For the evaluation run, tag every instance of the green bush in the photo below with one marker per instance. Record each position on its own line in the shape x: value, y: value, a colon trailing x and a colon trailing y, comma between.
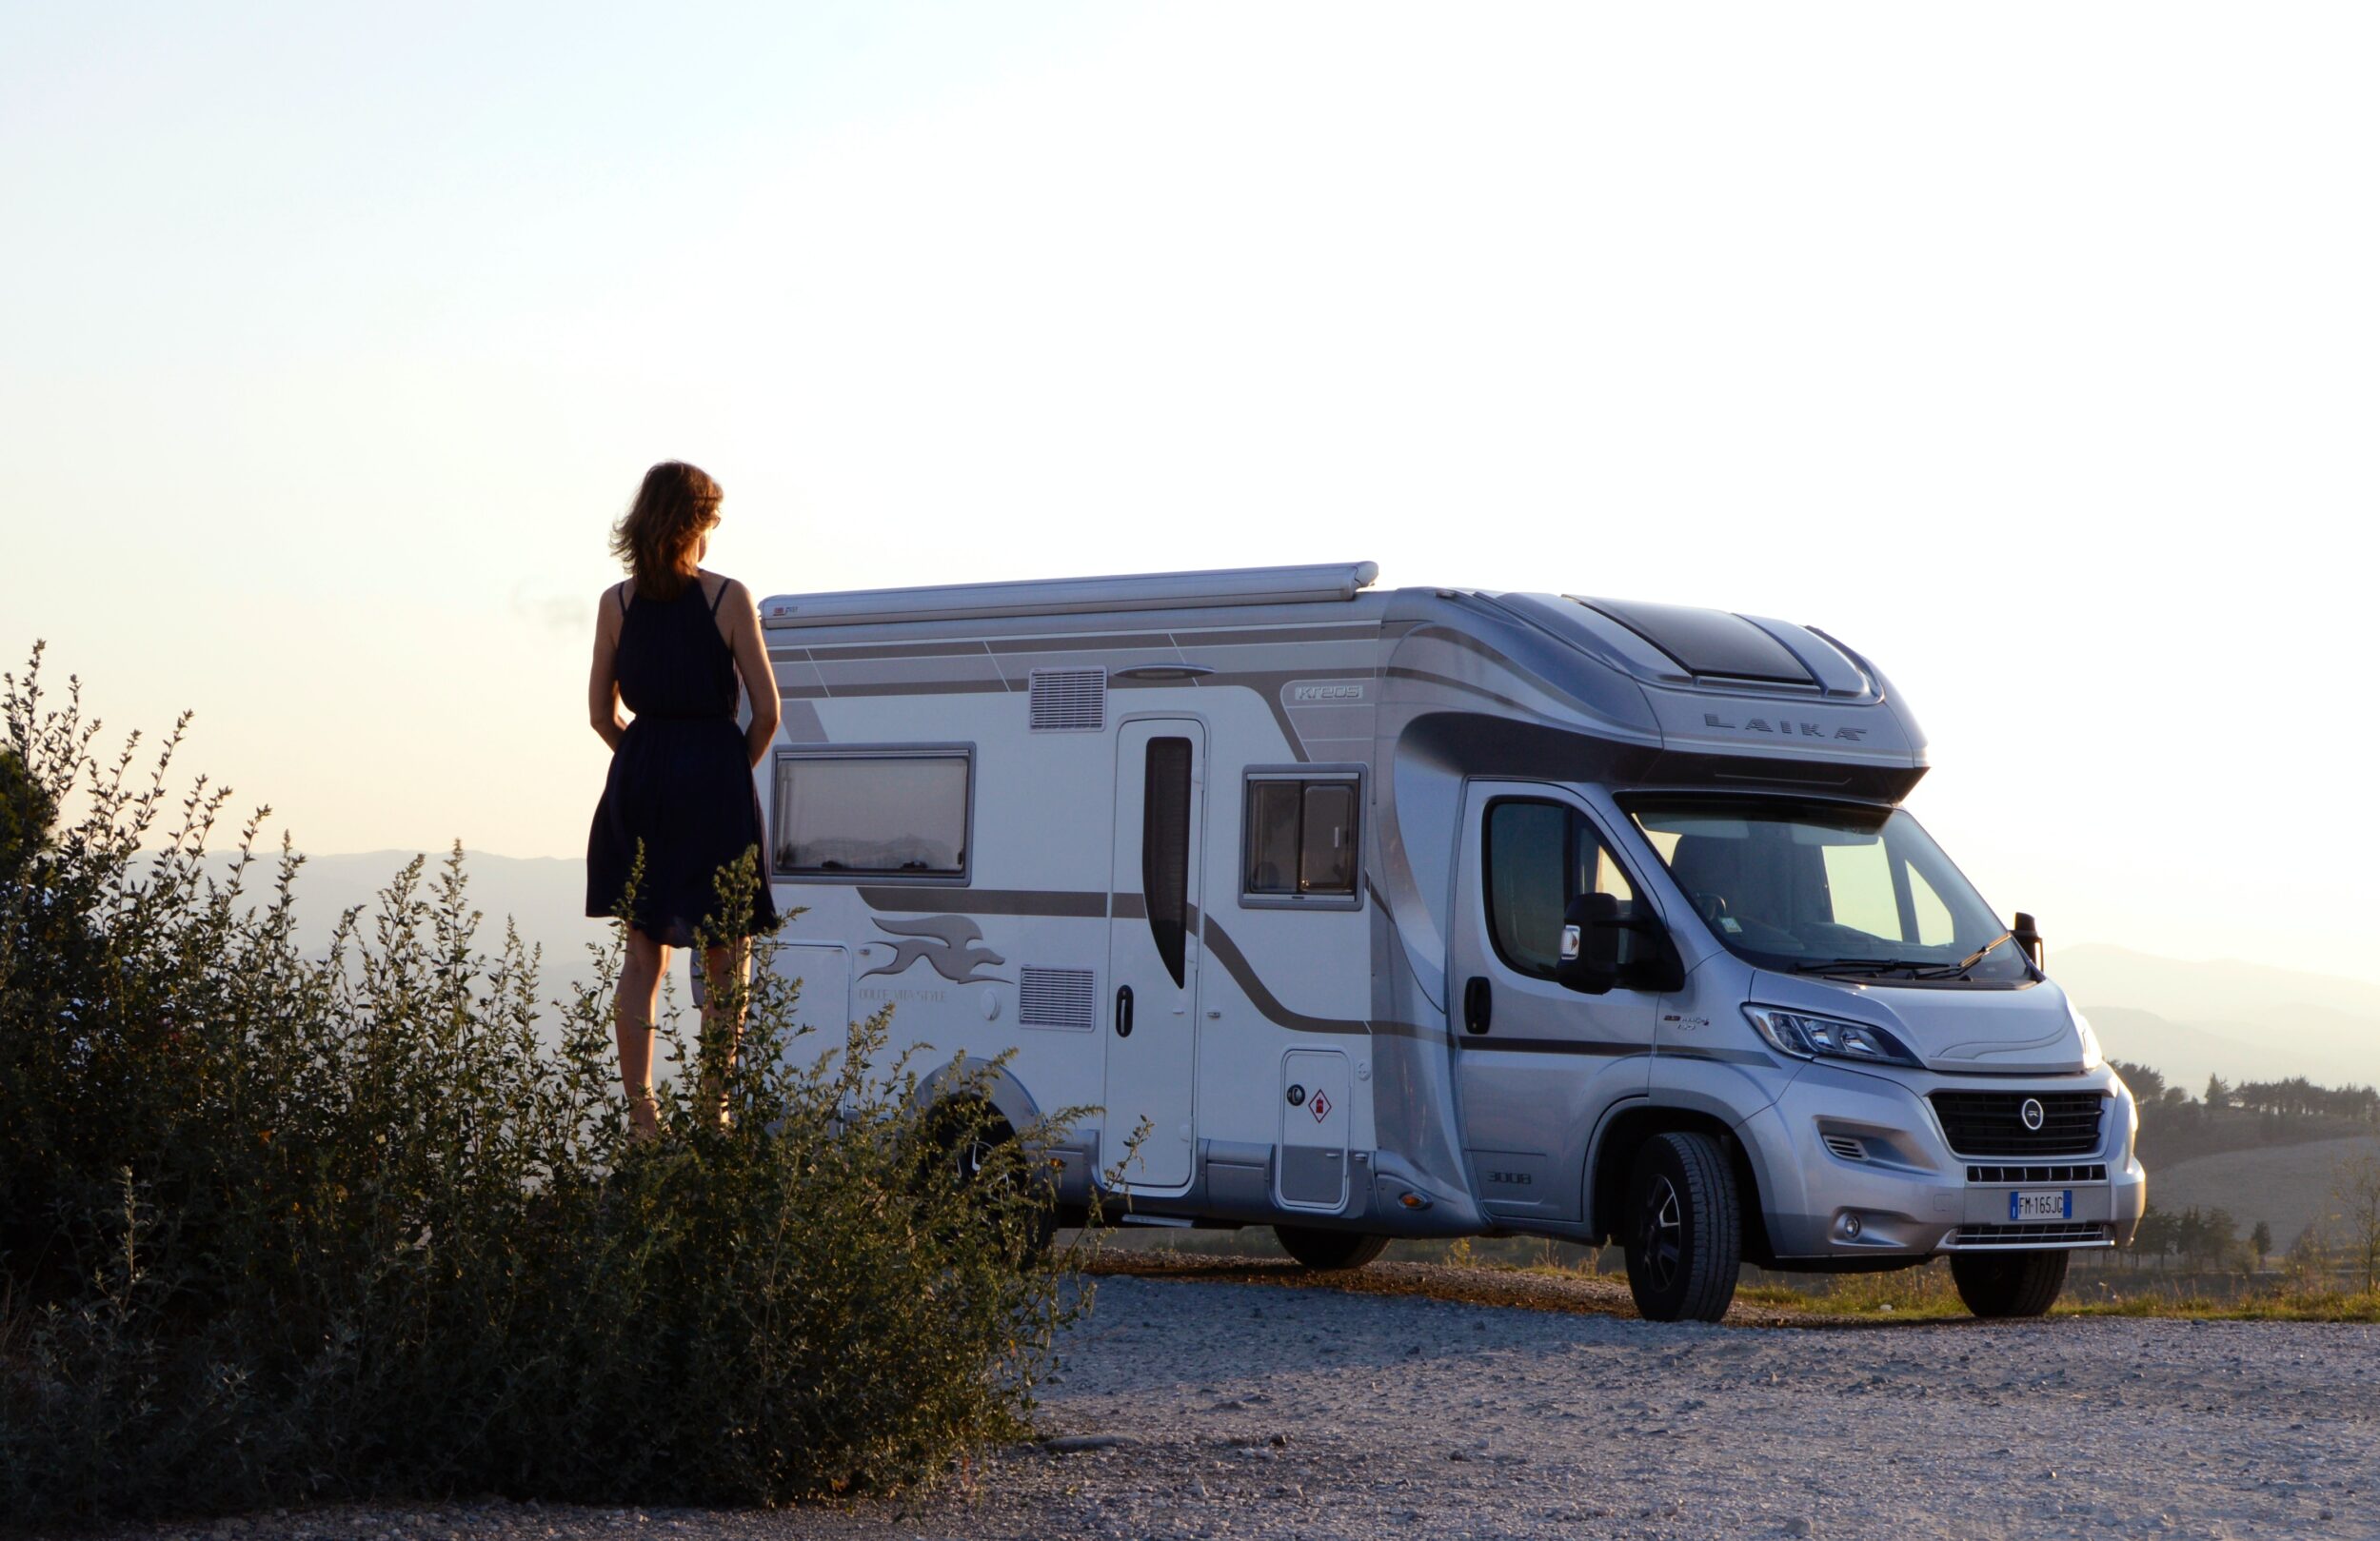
x: 278, y: 1227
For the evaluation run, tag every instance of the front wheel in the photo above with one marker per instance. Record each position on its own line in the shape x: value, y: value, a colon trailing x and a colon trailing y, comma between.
x: 1685, y: 1230
x: 2004, y: 1284
x: 1329, y: 1249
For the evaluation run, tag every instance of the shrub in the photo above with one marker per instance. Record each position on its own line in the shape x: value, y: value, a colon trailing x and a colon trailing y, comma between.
x: 279, y: 1227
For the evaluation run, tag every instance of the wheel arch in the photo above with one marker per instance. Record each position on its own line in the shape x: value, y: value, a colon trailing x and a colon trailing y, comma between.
x: 1613, y: 1154
x: 980, y: 1080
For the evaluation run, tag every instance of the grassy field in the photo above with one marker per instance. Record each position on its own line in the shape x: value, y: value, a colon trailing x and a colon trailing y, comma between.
x: 1920, y: 1293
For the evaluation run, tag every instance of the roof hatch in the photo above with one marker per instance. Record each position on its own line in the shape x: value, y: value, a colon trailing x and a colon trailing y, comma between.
x: 1709, y: 643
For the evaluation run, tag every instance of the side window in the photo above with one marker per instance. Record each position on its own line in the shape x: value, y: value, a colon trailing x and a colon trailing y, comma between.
x: 1165, y: 849
x: 1539, y: 855
x: 1302, y: 836
x: 885, y: 815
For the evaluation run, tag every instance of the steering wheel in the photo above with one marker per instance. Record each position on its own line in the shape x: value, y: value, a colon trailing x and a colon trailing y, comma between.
x: 1710, y: 906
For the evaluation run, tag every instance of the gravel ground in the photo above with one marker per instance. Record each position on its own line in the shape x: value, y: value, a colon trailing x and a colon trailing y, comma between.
x: 1204, y: 1399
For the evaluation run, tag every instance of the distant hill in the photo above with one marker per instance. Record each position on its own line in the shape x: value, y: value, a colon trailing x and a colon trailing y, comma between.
x: 2244, y: 1021
x: 2187, y: 1055
x: 545, y: 897
x: 2285, y: 1186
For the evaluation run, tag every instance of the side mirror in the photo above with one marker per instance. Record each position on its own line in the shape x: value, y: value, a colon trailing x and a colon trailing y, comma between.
x: 1609, y: 945
x: 2026, y: 937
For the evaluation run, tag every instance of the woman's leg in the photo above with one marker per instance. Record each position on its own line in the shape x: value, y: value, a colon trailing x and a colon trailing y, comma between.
x: 727, y: 985
x: 632, y: 1010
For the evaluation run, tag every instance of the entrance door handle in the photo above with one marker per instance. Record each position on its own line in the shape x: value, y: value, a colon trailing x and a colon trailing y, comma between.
x: 1478, y: 1004
x: 1124, y: 1011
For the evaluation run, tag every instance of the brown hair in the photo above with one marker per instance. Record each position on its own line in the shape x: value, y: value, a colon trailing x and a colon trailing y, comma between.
x: 655, y: 538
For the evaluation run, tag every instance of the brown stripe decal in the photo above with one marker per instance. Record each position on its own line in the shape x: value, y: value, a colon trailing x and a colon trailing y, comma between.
x: 1473, y: 1043
x: 1225, y: 950
x: 1054, y: 904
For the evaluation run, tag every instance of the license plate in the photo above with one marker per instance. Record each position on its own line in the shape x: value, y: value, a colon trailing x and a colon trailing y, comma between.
x: 2042, y: 1204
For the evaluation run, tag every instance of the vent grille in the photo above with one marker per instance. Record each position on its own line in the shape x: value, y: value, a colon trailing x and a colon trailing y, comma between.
x: 1846, y: 1146
x: 2071, y: 1232
x: 2095, y: 1172
x: 1056, y: 997
x: 1993, y: 1123
x: 1069, y: 701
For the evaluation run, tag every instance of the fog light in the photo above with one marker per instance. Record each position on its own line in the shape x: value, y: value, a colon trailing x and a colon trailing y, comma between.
x: 1850, y: 1228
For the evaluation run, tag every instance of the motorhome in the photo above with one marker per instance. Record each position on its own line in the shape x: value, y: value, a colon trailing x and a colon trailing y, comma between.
x: 1433, y: 912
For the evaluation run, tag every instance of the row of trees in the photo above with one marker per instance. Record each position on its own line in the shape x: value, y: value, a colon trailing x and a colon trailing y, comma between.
x: 2295, y: 1097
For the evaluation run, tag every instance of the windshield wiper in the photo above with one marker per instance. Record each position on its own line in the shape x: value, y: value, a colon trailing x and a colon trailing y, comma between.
x: 1958, y: 970
x: 1848, y: 965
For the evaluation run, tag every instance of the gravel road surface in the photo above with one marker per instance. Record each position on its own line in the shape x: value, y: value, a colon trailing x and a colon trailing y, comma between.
x: 1204, y: 1399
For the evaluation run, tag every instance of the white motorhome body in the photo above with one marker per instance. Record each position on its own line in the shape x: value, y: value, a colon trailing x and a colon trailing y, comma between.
x: 1272, y: 869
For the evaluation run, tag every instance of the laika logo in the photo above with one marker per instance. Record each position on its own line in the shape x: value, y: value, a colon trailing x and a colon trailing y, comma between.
x: 1325, y: 692
x: 1784, y: 729
x: 2032, y: 1114
x: 948, y: 942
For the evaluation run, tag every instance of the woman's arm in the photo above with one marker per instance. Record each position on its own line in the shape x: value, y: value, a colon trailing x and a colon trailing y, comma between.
x: 602, y: 682
x: 760, y: 681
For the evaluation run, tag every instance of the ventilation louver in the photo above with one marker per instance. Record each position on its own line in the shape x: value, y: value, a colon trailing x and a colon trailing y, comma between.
x: 1056, y: 997
x: 1069, y: 701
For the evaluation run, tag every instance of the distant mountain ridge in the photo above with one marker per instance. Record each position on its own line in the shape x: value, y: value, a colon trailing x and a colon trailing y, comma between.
x: 2241, y: 1020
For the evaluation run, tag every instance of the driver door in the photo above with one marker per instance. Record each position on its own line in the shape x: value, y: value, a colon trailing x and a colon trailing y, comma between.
x: 1536, y: 1064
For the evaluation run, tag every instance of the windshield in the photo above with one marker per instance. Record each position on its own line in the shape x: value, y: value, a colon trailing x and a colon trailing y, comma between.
x: 1814, y: 887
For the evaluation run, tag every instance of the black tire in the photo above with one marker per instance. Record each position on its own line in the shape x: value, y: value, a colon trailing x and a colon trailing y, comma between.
x: 1999, y: 1285
x: 966, y: 1137
x: 1329, y: 1249
x: 1684, y: 1233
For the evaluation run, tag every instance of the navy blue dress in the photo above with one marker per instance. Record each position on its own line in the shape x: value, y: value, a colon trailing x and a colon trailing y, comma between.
x: 679, y: 786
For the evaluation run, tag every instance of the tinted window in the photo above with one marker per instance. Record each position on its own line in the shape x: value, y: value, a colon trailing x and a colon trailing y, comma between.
x: 1166, y: 848
x: 1302, y: 837
x: 1539, y: 857
x: 898, y: 815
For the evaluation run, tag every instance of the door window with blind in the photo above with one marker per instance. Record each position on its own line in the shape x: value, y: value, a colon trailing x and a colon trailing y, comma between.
x: 1302, y: 842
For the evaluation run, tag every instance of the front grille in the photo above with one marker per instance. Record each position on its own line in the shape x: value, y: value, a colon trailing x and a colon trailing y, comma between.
x: 1992, y: 1123
x: 2068, y: 1233
x: 2092, y: 1173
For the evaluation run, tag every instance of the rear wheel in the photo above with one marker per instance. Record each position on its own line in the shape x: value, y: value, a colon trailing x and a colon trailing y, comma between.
x: 978, y: 1144
x: 2004, y: 1284
x: 1329, y: 1249
x: 1685, y: 1233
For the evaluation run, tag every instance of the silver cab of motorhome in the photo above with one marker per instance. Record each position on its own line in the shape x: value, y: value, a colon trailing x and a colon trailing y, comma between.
x: 1432, y: 912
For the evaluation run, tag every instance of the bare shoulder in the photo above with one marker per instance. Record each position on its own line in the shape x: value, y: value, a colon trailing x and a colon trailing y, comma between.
x: 613, y: 603
x: 730, y: 595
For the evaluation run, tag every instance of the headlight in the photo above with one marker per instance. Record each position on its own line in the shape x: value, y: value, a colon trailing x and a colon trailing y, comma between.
x: 2092, y: 1056
x: 1805, y: 1036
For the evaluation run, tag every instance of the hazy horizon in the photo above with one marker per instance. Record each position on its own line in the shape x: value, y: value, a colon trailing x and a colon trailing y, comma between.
x: 2029, y: 357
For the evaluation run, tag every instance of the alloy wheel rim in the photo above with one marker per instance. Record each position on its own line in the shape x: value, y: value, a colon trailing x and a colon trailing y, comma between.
x: 1662, y: 1239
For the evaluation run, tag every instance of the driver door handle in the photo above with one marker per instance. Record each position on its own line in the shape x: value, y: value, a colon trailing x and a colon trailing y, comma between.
x: 1478, y: 1004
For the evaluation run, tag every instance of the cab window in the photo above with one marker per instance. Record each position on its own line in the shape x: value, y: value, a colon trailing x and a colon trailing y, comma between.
x: 1539, y: 855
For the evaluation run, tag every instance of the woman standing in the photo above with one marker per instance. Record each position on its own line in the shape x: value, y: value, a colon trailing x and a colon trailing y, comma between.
x: 670, y: 641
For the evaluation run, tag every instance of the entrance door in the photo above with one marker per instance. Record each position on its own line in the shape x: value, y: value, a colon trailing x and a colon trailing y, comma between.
x: 1153, y: 951
x: 1538, y: 1063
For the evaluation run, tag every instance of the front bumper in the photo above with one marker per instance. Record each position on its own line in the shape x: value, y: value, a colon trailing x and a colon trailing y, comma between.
x: 1854, y: 1164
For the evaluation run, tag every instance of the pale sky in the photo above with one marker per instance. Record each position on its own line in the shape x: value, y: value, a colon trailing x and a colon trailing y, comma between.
x: 2031, y: 350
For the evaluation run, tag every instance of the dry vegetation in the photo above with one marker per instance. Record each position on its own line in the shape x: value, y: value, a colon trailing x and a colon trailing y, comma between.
x: 279, y: 1227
